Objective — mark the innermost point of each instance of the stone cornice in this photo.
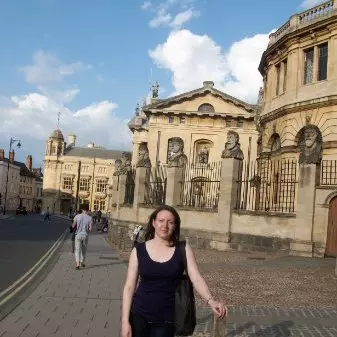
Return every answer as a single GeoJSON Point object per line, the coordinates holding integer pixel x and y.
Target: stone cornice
{"type": "Point", "coordinates": [202, 114]}
{"type": "Point", "coordinates": [297, 107]}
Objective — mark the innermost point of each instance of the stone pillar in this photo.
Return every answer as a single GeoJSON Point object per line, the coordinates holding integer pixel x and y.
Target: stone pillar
{"type": "Point", "coordinates": [120, 193]}
{"type": "Point", "coordinates": [173, 186]}
{"type": "Point", "coordinates": [336, 268]}
{"type": "Point", "coordinates": [139, 194]}
{"type": "Point", "coordinates": [228, 193]}
{"type": "Point", "coordinates": [135, 152]}
{"type": "Point", "coordinates": [303, 225]}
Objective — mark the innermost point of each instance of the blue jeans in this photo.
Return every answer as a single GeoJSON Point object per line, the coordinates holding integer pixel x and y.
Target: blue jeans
{"type": "Point", "coordinates": [141, 327]}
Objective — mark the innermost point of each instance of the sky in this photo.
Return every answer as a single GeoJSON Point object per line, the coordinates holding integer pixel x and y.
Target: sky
{"type": "Point", "coordinates": [94, 60]}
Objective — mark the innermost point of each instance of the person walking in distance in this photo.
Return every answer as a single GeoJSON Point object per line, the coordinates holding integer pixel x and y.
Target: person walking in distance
{"type": "Point", "coordinates": [83, 224]}
{"type": "Point", "coordinates": [47, 215]}
{"type": "Point", "coordinates": [157, 263]}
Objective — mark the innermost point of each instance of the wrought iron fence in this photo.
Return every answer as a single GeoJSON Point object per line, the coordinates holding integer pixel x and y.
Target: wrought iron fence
{"type": "Point", "coordinates": [201, 185]}
{"type": "Point", "coordinates": [267, 185]}
{"type": "Point", "coordinates": [155, 185]}
{"type": "Point", "coordinates": [329, 172]}
{"type": "Point", "coordinates": [130, 187]}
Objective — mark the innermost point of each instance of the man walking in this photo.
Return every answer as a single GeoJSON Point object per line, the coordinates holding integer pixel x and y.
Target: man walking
{"type": "Point", "coordinates": [83, 224]}
{"type": "Point", "coordinates": [47, 215]}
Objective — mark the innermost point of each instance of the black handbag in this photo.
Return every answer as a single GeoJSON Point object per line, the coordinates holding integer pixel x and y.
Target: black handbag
{"type": "Point", "coordinates": [185, 312]}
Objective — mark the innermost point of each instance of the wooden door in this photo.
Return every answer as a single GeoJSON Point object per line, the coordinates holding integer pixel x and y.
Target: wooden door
{"type": "Point", "coordinates": [331, 242]}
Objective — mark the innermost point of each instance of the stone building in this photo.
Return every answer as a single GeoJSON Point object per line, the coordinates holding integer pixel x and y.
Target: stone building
{"type": "Point", "coordinates": [74, 175]}
{"type": "Point", "coordinates": [297, 120]}
{"type": "Point", "coordinates": [200, 120]}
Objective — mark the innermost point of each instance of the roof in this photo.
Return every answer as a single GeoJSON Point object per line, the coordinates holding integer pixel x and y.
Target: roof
{"type": "Point", "coordinates": [207, 88]}
{"type": "Point", "coordinates": [93, 152]}
{"type": "Point", "coordinates": [57, 134]}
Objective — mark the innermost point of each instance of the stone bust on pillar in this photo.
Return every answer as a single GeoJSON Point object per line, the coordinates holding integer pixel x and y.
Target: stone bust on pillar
{"type": "Point", "coordinates": [123, 165]}
{"type": "Point", "coordinates": [232, 147]}
{"type": "Point", "coordinates": [310, 143]}
{"type": "Point", "coordinates": [143, 156]}
{"type": "Point", "coordinates": [176, 156]}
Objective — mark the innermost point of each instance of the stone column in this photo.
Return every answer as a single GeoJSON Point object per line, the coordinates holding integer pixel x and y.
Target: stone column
{"type": "Point", "coordinates": [135, 152]}
{"type": "Point", "coordinates": [139, 194]}
{"type": "Point", "coordinates": [336, 268]}
{"type": "Point", "coordinates": [228, 193]}
{"type": "Point", "coordinates": [303, 225]}
{"type": "Point", "coordinates": [173, 186]}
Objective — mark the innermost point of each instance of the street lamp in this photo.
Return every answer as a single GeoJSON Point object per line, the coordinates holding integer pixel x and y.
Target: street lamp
{"type": "Point", "coordinates": [11, 142]}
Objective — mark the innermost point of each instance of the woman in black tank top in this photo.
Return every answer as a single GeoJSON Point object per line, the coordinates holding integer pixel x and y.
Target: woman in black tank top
{"type": "Point", "coordinates": [148, 311]}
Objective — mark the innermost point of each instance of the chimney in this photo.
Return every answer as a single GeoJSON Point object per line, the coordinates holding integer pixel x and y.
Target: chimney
{"type": "Point", "coordinates": [29, 162]}
{"type": "Point", "coordinates": [71, 139]}
{"type": "Point", "coordinates": [11, 156]}
{"type": "Point", "coordinates": [208, 84]}
{"type": "Point", "coordinates": [2, 154]}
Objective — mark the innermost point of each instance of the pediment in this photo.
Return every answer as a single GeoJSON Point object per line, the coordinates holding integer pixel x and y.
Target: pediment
{"type": "Point", "coordinates": [206, 101]}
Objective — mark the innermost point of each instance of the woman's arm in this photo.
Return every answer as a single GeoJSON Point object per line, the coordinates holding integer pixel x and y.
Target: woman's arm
{"type": "Point", "coordinates": [130, 286]}
{"type": "Point", "coordinates": [200, 284]}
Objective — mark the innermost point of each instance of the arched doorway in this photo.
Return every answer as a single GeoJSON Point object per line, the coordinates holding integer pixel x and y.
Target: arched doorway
{"type": "Point", "coordinates": [331, 241]}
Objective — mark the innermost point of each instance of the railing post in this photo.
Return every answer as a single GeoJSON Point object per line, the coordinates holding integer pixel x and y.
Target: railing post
{"type": "Point", "coordinates": [174, 185]}
{"type": "Point", "coordinates": [120, 192]}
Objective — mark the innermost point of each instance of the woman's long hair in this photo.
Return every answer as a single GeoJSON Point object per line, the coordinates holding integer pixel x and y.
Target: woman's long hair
{"type": "Point", "coordinates": [149, 234]}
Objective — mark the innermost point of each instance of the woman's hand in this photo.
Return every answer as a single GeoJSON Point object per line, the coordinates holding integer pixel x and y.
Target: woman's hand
{"type": "Point", "coordinates": [218, 308]}
{"type": "Point", "coordinates": [126, 330]}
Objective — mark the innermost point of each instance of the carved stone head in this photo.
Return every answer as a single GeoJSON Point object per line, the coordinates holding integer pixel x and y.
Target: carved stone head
{"type": "Point", "coordinates": [232, 146]}
{"type": "Point", "coordinates": [143, 156]}
{"type": "Point", "coordinates": [176, 156]}
{"type": "Point", "coordinates": [177, 145]}
{"type": "Point", "coordinates": [310, 143]}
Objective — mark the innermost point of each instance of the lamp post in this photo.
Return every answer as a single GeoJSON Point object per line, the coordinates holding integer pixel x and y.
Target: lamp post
{"type": "Point", "coordinates": [11, 142]}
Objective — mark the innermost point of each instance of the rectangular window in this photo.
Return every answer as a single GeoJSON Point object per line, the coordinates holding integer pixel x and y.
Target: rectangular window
{"type": "Point", "coordinates": [101, 170]}
{"type": "Point", "coordinates": [322, 62]}
{"type": "Point", "coordinates": [84, 168]}
{"type": "Point", "coordinates": [100, 185]}
{"type": "Point", "coordinates": [84, 201]}
{"type": "Point", "coordinates": [84, 184]}
{"type": "Point", "coordinates": [278, 79]}
{"type": "Point", "coordinates": [170, 119]}
{"type": "Point", "coordinates": [308, 65]}
{"type": "Point", "coordinates": [67, 183]}
{"type": "Point", "coordinates": [285, 71]}
{"type": "Point", "coordinates": [68, 167]}
{"type": "Point", "coordinates": [182, 120]}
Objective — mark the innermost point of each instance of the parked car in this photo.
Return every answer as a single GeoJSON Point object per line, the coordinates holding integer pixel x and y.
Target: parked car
{"type": "Point", "coordinates": [21, 210]}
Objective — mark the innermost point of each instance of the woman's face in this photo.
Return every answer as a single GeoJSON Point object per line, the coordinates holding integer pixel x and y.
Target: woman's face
{"type": "Point", "coordinates": [164, 224]}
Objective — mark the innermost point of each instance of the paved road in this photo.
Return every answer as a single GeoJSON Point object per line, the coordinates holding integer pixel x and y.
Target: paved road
{"type": "Point", "coordinates": [23, 241]}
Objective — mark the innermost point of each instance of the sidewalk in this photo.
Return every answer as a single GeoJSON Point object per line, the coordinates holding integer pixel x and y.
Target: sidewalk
{"type": "Point", "coordinates": [73, 303]}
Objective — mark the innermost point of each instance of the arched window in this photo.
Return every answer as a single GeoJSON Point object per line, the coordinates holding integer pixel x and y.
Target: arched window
{"type": "Point", "coordinates": [206, 107]}
{"type": "Point", "coordinates": [202, 148]}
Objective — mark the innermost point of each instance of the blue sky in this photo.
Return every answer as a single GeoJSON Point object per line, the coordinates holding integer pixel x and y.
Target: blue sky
{"type": "Point", "coordinates": [92, 60]}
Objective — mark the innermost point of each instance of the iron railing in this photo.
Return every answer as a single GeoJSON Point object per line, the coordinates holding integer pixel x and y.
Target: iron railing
{"type": "Point", "coordinates": [329, 172]}
{"type": "Point", "coordinates": [201, 185]}
{"type": "Point", "coordinates": [267, 185]}
{"type": "Point", "coordinates": [155, 185]}
{"type": "Point", "coordinates": [130, 187]}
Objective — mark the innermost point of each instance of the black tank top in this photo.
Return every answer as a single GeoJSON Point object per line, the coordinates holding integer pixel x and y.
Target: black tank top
{"type": "Point", "coordinates": [154, 297]}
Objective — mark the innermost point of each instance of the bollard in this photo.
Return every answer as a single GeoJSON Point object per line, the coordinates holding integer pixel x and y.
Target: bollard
{"type": "Point", "coordinates": [219, 327]}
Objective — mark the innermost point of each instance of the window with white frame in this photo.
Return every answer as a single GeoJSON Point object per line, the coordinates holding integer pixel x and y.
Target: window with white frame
{"type": "Point", "coordinates": [100, 185]}
{"type": "Point", "coordinates": [85, 168]}
{"type": "Point", "coordinates": [84, 184]}
{"type": "Point", "coordinates": [67, 183]}
{"type": "Point", "coordinates": [99, 205]}
{"type": "Point", "coordinates": [101, 169]}
{"type": "Point", "coordinates": [68, 167]}
{"type": "Point", "coordinates": [308, 65]}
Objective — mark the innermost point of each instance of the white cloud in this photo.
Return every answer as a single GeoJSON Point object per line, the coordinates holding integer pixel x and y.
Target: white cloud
{"type": "Point", "coordinates": [146, 5]}
{"type": "Point", "coordinates": [310, 3]}
{"type": "Point", "coordinates": [183, 17]}
{"type": "Point", "coordinates": [163, 13]}
{"type": "Point", "coordinates": [97, 122]}
{"type": "Point", "coordinates": [47, 68]}
{"type": "Point", "coordinates": [194, 58]}
{"type": "Point", "coordinates": [162, 18]}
